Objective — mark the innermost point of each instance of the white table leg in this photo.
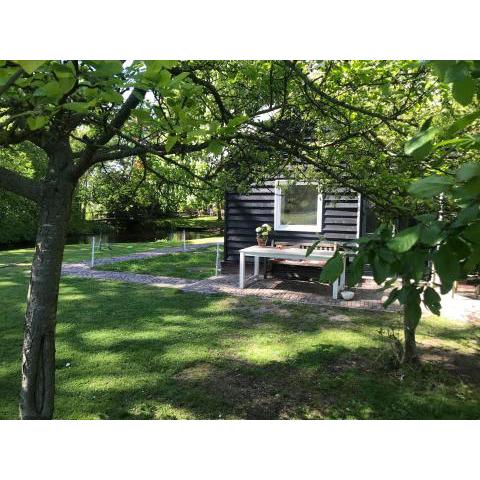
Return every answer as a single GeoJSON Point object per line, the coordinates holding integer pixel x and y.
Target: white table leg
{"type": "Point", "coordinates": [256, 266]}
{"type": "Point", "coordinates": [335, 289]}
{"type": "Point", "coordinates": [242, 271]}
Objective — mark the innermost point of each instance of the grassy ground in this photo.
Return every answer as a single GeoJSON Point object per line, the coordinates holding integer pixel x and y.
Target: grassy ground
{"type": "Point", "coordinates": [134, 351]}
{"type": "Point", "coordinates": [194, 265]}
{"type": "Point", "coordinates": [80, 252]}
{"type": "Point", "coordinates": [190, 222]}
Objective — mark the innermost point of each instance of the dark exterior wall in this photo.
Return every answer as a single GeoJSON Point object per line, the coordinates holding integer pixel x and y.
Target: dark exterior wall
{"type": "Point", "coordinates": [245, 212]}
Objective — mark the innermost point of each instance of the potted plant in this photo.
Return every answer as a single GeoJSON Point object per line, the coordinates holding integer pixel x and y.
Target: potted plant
{"type": "Point", "coordinates": [262, 234]}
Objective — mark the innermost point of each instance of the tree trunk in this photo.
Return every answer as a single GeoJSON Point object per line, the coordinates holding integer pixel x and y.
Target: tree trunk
{"type": "Point", "coordinates": [410, 355]}
{"type": "Point", "coordinates": [38, 362]}
{"type": "Point", "coordinates": [219, 211]}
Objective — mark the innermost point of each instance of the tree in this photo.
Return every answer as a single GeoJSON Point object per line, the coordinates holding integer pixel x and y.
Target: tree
{"type": "Point", "coordinates": [85, 113]}
{"type": "Point", "coordinates": [450, 241]}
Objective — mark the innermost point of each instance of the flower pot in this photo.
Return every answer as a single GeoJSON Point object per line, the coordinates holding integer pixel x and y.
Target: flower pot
{"type": "Point", "coordinates": [261, 241]}
{"type": "Point", "coordinates": [347, 295]}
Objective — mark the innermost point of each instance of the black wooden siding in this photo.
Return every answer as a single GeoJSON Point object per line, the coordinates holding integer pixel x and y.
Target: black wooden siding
{"type": "Point", "coordinates": [245, 212]}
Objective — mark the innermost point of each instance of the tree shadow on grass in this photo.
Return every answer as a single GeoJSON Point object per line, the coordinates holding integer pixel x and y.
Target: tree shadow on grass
{"type": "Point", "coordinates": [142, 352]}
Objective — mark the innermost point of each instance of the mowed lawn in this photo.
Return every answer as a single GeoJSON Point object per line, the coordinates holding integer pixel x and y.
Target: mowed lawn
{"type": "Point", "coordinates": [194, 265]}
{"type": "Point", "coordinates": [83, 252]}
{"type": "Point", "coordinates": [140, 352]}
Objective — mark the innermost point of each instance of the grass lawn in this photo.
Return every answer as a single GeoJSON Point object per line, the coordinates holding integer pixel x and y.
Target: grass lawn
{"type": "Point", "coordinates": [194, 265]}
{"type": "Point", "coordinates": [80, 252]}
{"type": "Point", "coordinates": [135, 351]}
{"type": "Point", "coordinates": [207, 221]}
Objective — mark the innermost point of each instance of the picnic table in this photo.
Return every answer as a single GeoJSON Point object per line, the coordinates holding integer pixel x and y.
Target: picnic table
{"type": "Point", "coordinates": [285, 253]}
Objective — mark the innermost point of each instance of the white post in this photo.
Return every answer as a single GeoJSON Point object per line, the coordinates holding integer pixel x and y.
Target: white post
{"type": "Point", "coordinates": [93, 252]}
{"type": "Point", "coordinates": [184, 244]}
{"type": "Point", "coordinates": [256, 266]}
{"type": "Point", "coordinates": [242, 270]}
{"type": "Point", "coordinates": [335, 289]}
{"type": "Point", "coordinates": [217, 261]}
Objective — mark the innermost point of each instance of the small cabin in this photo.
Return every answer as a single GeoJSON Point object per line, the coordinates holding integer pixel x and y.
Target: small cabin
{"type": "Point", "coordinates": [298, 212]}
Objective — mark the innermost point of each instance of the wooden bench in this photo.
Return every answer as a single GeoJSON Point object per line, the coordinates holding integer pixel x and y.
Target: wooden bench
{"type": "Point", "coordinates": [329, 247]}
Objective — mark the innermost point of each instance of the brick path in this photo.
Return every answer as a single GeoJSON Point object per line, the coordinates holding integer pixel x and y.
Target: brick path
{"type": "Point", "coordinates": [367, 296]}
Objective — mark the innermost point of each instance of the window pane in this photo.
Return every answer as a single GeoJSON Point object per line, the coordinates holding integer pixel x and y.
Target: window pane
{"type": "Point", "coordinates": [299, 205]}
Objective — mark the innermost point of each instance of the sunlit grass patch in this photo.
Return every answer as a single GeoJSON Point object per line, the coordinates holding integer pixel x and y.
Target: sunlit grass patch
{"type": "Point", "coordinates": [131, 351]}
{"type": "Point", "coordinates": [195, 265]}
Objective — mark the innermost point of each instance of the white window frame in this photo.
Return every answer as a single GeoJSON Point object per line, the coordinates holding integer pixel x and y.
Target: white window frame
{"type": "Point", "coordinates": [295, 228]}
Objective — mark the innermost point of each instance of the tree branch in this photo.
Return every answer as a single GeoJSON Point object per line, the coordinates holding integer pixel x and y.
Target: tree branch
{"type": "Point", "coordinates": [86, 159]}
{"type": "Point", "coordinates": [23, 186]}
{"type": "Point", "coordinates": [340, 103]}
{"type": "Point", "coordinates": [225, 114]}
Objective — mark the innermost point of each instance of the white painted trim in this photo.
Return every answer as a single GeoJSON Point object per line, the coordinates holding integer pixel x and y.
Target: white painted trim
{"type": "Point", "coordinates": [359, 207]}
{"type": "Point", "coordinates": [295, 228]}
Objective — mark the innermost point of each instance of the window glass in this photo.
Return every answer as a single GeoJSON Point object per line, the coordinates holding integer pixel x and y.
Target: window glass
{"type": "Point", "coordinates": [299, 204]}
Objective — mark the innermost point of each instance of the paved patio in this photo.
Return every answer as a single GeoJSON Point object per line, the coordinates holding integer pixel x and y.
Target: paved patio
{"type": "Point", "coordinates": [367, 296]}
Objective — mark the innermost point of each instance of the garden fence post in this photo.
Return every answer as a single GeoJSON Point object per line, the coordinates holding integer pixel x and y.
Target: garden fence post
{"type": "Point", "coordinates": [93, 251]}
{"type": "Point", "coordinates": [217, 261]}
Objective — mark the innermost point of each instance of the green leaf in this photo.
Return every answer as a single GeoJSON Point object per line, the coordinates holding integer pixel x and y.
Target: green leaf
{"type": "Point", "coordinates": [35, 123]}
{"type": "Point", "coordinates": [53, 90]}
{"type": "Point", "coordinates": [381, 270]}
{"type": "Point", "coordinates": [179, 78]}
{"type": "Point", "coordinates": [332, 269]}
{"type": "Point", "coordinates": [463, 90]}
{"type": "Point", "coordinates": [456, 72]}
{"type": "Point", "coordinates": [473, 260]}
{"type": "Point", "coordinates": [312, 247]}
{"type": "Point", "coordinates": [238, 120]}
{"type": "Point", "coordinates": [431, 234]}
{"type": "Point", "coordinates": [50, 89]}
{"type": "Point", "coordinates": [472, 233]}
{"type": "Point", "coordinates": [79, 107]}
{"type": "Point", "coordinates": [462, 123]}
{"type": "Point", "coordinates": [432, 300]}
{"type": "Point", "coordinates": [466, 215]}
{"type": "Point", "coordinates": [108, 68]}
{"type": "Point", "coordinates": [468, 171]}
{"type": "Point", "coordinates": [447, 267]}
{"type": "Point", "coordinates": [162, 63]}
{"type": "Point", "coordinates": [112, 97]}
{"type": "Point", "coordinates": [421, 144]}
{"type": "Point", "coordinates": [393, 295]}
{"type": "Point", "coordinates": [414, 262]}
{"type": "Point", "coordinates": [355, 270]}
{"type": "Point", "coordinates": [441, 66]}
{"type": "Point", "coordinates": [170, 143]}
{"type": "Point", "coordinates": [30, 65]}
{"type": "Point", "coordinates": [404, 240]}
{"type": "Point", "coordinates": [430, 186]}
{"type": "Point", "coordinates": [163, 78]}
{"type": "Point", "coordinates": [426, 124]}
{"type": "Point", "coordinates": [215, 147]}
